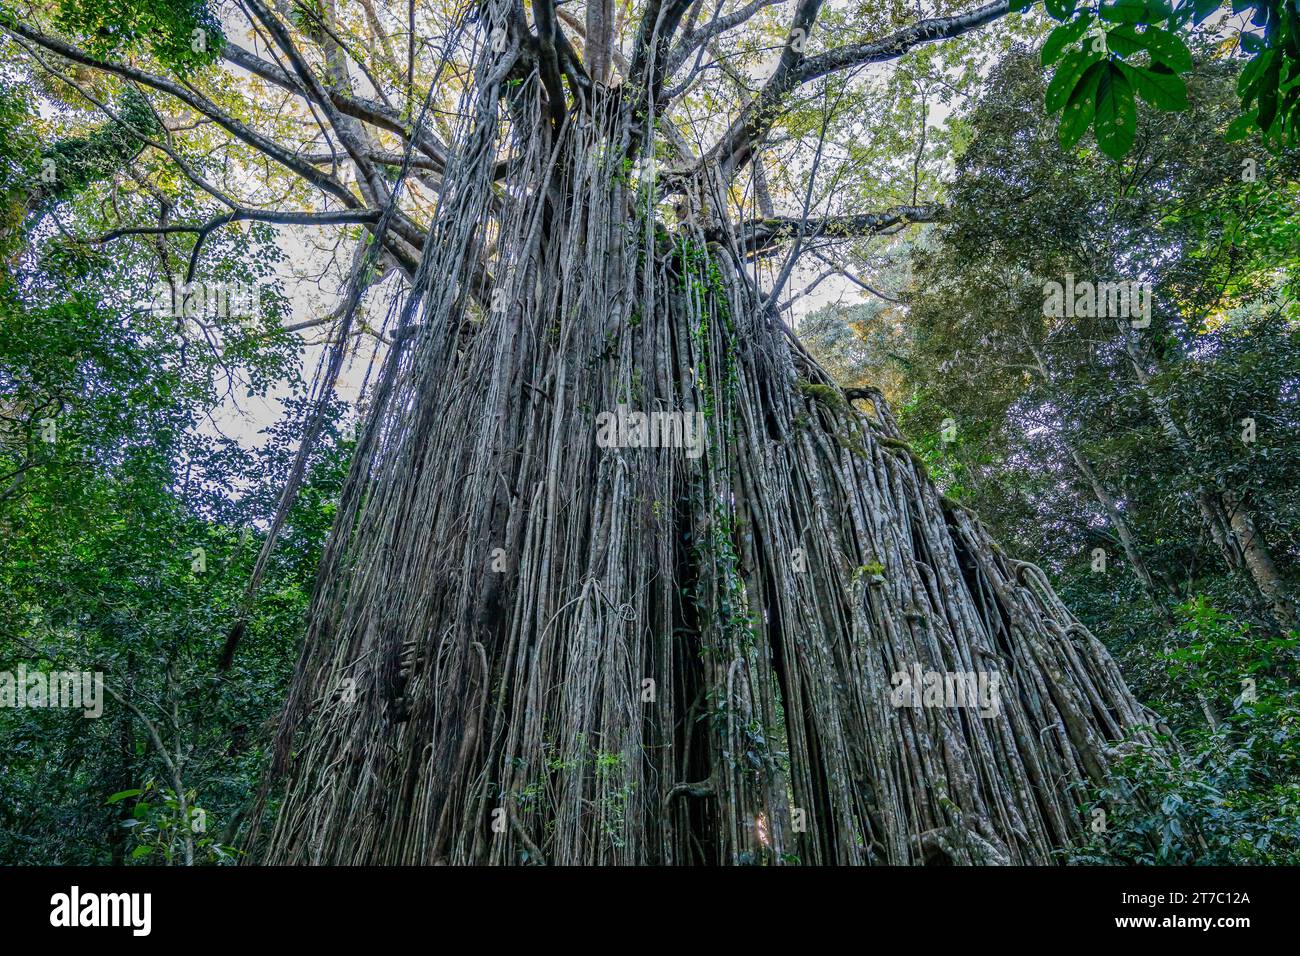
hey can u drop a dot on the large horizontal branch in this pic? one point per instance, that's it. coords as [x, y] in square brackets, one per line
[896, 44]
[368, 111]
[755, 235]
[199, 104]
[286, 217]
[386, 157]
[202, 230]
[737, 145]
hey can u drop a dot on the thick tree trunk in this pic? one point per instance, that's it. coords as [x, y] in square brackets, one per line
[1259, 561]
[598, 43]
[527, 647]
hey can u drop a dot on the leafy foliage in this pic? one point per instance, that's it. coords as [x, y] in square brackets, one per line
[1106, 54]
[183, 34]
[1231, 795]
[111, 476]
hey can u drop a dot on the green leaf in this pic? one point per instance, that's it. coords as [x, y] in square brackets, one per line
[1268, 93]
[141, 851]
[1164, 91]
[1201, 9]
[1116, 120]
[1124, 11]
[1068, 73]
[1063, 36]
[1060, 9]
[1080, 109]
[1253, 71]
[1125, 40]
[122, 795]
[1169, 48]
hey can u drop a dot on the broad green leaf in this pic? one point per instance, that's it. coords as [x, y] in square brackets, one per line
[1068, 73]
[1060, 9]
[122, 795]
[1164, 91]
[1168, 48]
[1293, 76]
[1063, 36]
[1081, 108]
[1116, 120]
[1124, 11]
[1125, 40]
[1267, 93]
[1241, 127]
[1253, 70]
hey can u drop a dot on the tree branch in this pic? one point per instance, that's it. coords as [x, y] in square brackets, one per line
[199, 104]
[692, 40]
[737, 145]
[760, 235]
[896, 44]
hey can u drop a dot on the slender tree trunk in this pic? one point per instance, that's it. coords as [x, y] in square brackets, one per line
[1120, 523]
[1231, 526]
[1259, 561]
[1123, 529]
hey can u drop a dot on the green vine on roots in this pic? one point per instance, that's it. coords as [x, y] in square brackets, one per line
[722, 588]
[705, 288]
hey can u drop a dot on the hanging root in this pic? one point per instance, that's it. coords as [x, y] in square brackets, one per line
[528, 645]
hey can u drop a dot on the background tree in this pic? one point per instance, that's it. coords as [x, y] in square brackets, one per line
[1130, 461]
[113, 477]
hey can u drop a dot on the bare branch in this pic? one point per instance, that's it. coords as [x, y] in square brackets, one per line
[288, 218]
[200, 104]
[737, 145]
[692, 40]
[896, 44]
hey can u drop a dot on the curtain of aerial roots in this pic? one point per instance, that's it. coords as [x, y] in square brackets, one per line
[529, 648]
